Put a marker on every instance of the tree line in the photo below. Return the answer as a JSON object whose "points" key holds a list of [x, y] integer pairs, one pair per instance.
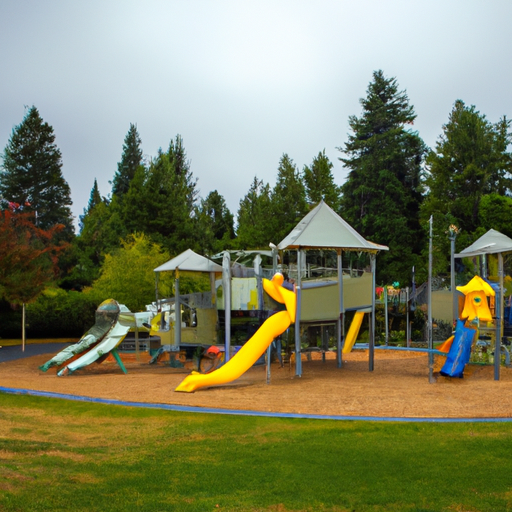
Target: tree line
{"points": [[395, 183]]}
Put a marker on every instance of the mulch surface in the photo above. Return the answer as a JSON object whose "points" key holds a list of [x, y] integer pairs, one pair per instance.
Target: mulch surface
{"points": [[398, 387]]}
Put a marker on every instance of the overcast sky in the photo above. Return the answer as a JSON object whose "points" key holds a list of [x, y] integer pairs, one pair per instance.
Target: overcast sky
{"points": [[242, 81]]}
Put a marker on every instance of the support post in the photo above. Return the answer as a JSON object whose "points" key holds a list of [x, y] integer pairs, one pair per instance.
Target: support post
{"points": [[499, 320], [429, 321], [341, 317], [177, 311], [408, 325], [298, 353], [298, 288], [226, 284], [371, 337], [23, 337], [386, 314]]}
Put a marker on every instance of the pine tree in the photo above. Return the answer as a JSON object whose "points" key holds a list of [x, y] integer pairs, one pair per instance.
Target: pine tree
{"points": [[32, 174], [383, 192], [170, 201], [94, 199], [131, 160], [288, 200], [319, 182], [214, 224], [470, 161], [254, 217]]}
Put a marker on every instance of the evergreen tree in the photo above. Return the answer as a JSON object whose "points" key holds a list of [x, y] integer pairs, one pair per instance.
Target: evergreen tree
{"points": [[94, 199], [131, 160], [382, 194], [254, 217], [170, 201], [470, 161], [32, 174], [319, 182], [288, 200], [214, 224]]}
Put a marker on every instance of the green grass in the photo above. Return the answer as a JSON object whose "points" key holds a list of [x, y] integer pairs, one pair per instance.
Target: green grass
{"points": [[59, 455]]}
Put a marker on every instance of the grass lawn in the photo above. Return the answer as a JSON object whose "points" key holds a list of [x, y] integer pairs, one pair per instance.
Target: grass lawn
{"points": [[59, 455]]}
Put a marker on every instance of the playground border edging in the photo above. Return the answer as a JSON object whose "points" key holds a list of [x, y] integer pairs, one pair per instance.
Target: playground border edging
{"points": [[237, 412]]}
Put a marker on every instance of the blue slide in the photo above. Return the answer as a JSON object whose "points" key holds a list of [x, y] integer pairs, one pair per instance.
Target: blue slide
{"points": [[460, 351]]}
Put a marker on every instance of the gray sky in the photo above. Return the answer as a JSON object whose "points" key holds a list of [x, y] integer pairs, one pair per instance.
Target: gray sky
{"points": [[242, 82]]}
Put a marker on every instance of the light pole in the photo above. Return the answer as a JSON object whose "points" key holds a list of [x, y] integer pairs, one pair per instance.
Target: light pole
{"points": [[453, 231]]}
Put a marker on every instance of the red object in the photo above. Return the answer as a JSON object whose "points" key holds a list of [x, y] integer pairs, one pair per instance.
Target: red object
{"points": [[213, 350]]}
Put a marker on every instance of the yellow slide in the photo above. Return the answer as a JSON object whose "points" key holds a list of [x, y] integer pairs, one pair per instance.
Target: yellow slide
{"points": [[351, 337], [255, 347]]}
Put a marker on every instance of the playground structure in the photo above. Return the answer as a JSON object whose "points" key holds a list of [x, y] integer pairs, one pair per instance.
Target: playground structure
{"points": [[254, 347], [112, 323], [182, 326]]}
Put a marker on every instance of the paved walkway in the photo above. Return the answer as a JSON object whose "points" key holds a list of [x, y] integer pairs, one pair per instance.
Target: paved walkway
{"points": [[33, 349]]}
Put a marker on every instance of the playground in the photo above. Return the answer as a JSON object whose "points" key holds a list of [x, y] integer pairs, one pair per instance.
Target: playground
{"points": [[398, 386], [328, 378]]}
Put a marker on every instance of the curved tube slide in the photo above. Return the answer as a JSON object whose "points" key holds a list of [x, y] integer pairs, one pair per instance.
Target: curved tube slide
{"points": [[255, 347]]}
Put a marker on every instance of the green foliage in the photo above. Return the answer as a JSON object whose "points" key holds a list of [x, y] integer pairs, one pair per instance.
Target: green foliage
{"points": [[470, 161], [60, 314], [383, 192], [467, 180], [319, 182], [161, 200], [214, 224], [288, 200], [129, 459], [32, 174], [495, 212], [255, 217], [127, 273], [131, 160], [28, 256]]}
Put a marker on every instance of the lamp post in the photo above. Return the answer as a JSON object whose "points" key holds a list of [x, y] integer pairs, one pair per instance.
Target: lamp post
{"points": [[453, 231]]}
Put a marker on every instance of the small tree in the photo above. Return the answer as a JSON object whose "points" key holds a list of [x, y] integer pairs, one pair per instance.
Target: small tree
{"points": [[127, 273], [28, 256]]}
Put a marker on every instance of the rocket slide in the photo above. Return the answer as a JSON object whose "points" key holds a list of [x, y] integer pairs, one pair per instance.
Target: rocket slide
{"points": [[255, 347]]}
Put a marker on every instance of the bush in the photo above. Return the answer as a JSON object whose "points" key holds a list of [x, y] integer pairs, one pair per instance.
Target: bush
{"points": [[61, 314]]}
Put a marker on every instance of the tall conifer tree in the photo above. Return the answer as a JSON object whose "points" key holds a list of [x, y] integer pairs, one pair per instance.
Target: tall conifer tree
{"points": [[383, 192], [319, 182], [131, 159], [31, 174]]}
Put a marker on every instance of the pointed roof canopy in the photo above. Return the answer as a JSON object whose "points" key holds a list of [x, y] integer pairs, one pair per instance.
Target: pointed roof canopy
{"points": [[322, 228], [492, 242], [189, 260]]}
